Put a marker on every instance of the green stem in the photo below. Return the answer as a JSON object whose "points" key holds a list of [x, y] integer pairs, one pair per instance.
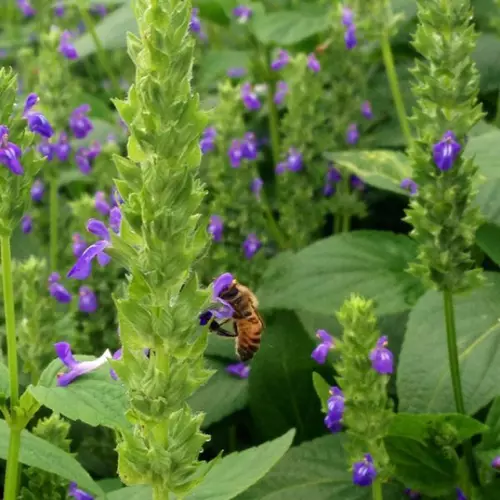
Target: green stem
{"points": [[377, 490], [12, 472], [346, 223], [394, 84], [159, 493], [273, 122], [337, 224], [451, 339], [101, 53], [54, 222]]}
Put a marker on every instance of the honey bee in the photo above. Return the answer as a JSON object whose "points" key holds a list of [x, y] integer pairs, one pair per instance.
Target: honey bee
{"points": [[247, 322]]}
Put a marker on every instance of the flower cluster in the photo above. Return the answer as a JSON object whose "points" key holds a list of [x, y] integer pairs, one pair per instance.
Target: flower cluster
{"points": [[292, 163], [242, 149], [249, 97], [350, 28]]}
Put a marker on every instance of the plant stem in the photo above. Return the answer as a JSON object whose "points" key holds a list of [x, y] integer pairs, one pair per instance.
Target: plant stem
{"points": [[12, 472], [337, 224], [394, 84], [451, 339], [377, 490], [346, 223], [273, 122], [159, 493], [54, 221], [101, 53]]}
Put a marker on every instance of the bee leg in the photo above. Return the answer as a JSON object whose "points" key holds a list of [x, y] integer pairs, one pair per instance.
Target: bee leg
{"points": [[224, 333]]}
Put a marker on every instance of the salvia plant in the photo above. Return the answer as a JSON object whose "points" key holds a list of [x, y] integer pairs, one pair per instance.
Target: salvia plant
{"points": [[249, 250]]}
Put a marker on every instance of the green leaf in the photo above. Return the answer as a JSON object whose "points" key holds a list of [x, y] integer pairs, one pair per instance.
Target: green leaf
{"points": [[289, 27], [238, 471], [94, 398], [316, 470], [379, 168], [111, 30], [36, 452], [322, 388], [216, 11], [485, 148], [67, 177], [215, 64], [488, 239], [140, 492], [4, 381], [423, 377], [321, 276], [222, 395], [487, 58], [281, 390], [490, 442]]}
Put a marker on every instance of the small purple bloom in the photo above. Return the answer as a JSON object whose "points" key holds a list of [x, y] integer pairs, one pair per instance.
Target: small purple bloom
{"points": [[83, 266], [347, 17], [216, 227], [38, 124], [281, 168], [327, 343], [313, 63], [249, 146], [98, 9], [281, 92], [366, 110], [37, 190], [281, 60], [98, 228], [249, 97], [115, 219], [242, 13], [116, 199], [350, 37], [83, 161], [101, 204], [79, 245], [381, 357], [207, 142], [79, 123], [57, 290], [10, 152], [221, 283], [333, 174], [87, 301], [357, 183], [328, 189], [66, 48], [62, 147], [446, 151], [495, 463], [256, 187], [412, 494], [59, 9], [336, 403], [460, 494], [364, 473], [238, 370], [352, 136], [235, 153], [76, 369], [46, 149], [409, 185], [31, 101], [294, 160], [26, 8], [26, 224], [236, 72], [251, 245], [195, 23], [53, 278]]}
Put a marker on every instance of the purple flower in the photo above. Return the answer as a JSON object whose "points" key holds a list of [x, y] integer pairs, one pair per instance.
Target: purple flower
{"points": [[294, 160], [381, 357], [83, 266], [327, 343], [62, 147], [87, 301], [352, 136], [256, 187], [249, 97], [313, 63], [195, 23], [46, 149], [79, 245], [350, 37], [460, 494], [281, 60], [76, 369], [59, 9], [235, 153], [242, 13], [57, 290], [205, 317], [328, 189], [66, 48], [495, 463], [357, 183], [79, 123], [251, 245], [281, 92], [83, 161], [413, 495], [216, 227], [220, 284], [207, 142], [409, 185], [333, 174], [363, 473], [281, 168], [347, 17], [236, 72], [38, 124], [10, 152], [366, 110], [446, 151], [249, 146], [98, 9], [26, 224], [115, 219], [116, 199], [37, 190], [335, 412], [100, 203], [238, 370], [31, 101], [26, 8]]}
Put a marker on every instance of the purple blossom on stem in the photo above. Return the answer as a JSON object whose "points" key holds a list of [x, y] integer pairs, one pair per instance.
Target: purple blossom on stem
{"points": [[333, 174], [352, 136], [26, 8], [242, 13], [37, 122], [59, 9], [207, 142], [101, 204], [446, 151], [313, 63], [87, 300], [256, 187], [83, 161], [238, 370], [216, 227], [364, 472], [350, 37], [281, 60], [195, 23], [76, 368], [249, 146], [236, 72], [249, 97], [381, 358], [409, 185], [37, 190], [327, 343], [347, 17], [460, 494], [251, 245], [46, 149], [235, 153], [26, 224], [366, 110], [281, 92], [10, 152], [335, 410], [57, 291], [357, 183], [79, 123], [294, 160], [495, 463], [31, 101], [79, 245], [66, 48], [115, 219], [281, 168], [63, 147]]}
